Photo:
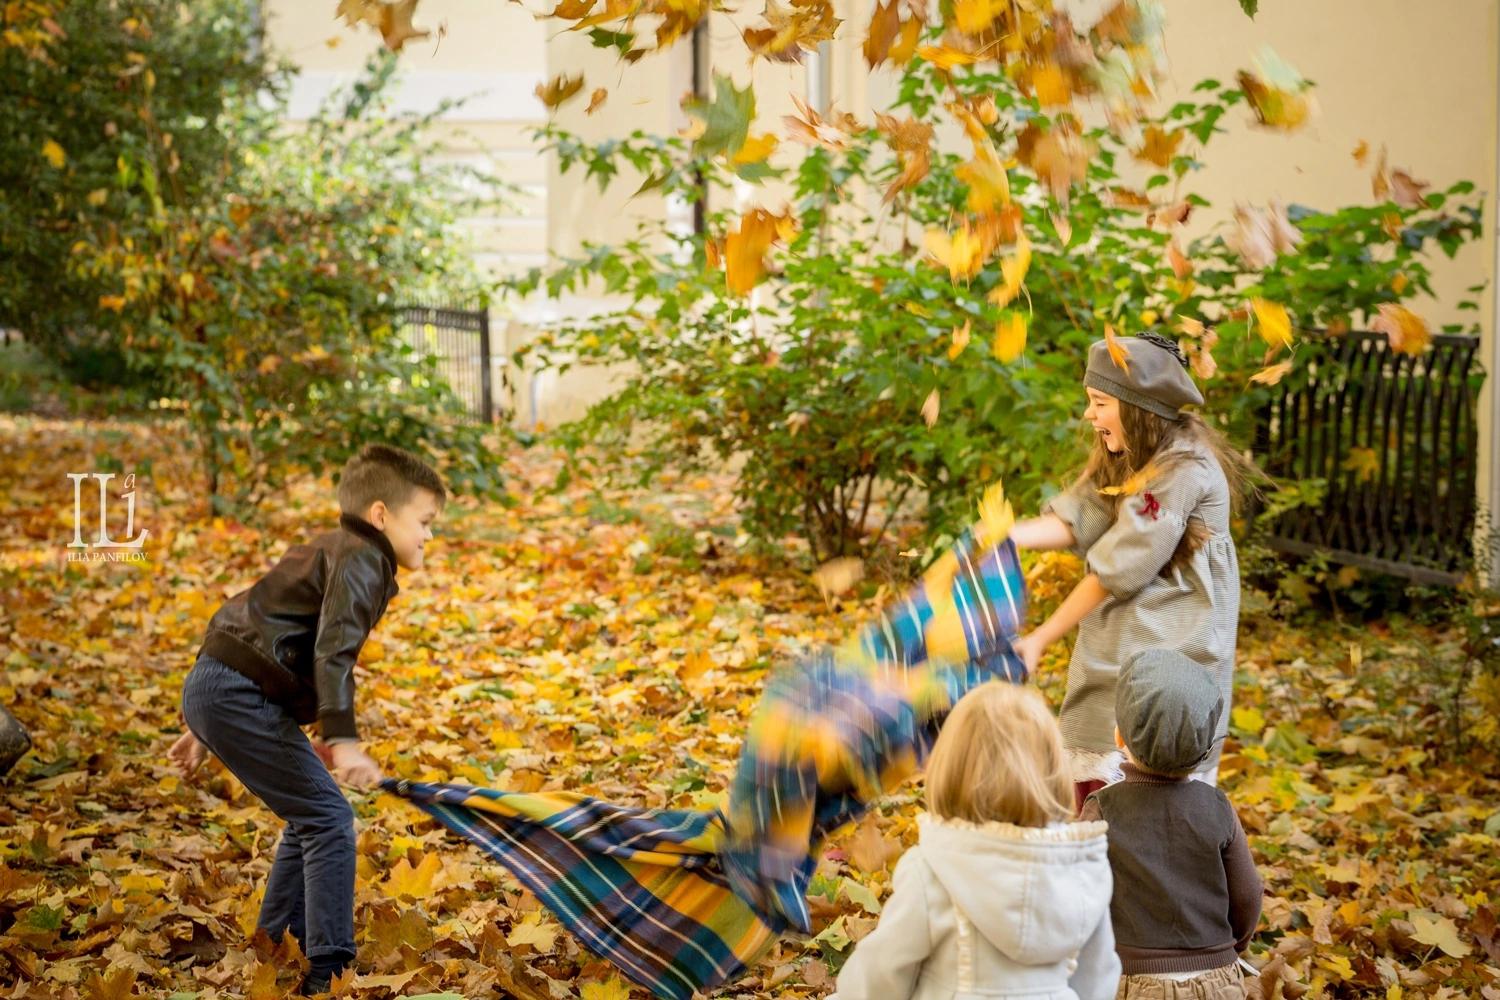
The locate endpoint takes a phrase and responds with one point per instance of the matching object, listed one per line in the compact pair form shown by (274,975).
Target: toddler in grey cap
(1187,896)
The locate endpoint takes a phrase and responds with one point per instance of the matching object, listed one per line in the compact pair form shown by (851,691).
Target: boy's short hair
(381,472)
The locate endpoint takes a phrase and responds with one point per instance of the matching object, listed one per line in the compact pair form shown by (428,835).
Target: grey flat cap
(1157,380)
(1168,709)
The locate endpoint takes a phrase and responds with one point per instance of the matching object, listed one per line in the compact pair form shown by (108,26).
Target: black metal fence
(1394,436)
(458,338)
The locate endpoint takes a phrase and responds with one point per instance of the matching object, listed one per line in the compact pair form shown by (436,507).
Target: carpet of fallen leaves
(614,644)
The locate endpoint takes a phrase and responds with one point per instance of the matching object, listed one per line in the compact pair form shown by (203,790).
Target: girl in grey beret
(1150,517)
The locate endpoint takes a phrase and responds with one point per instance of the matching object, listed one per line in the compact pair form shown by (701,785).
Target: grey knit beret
(1168,709)
(1157,379)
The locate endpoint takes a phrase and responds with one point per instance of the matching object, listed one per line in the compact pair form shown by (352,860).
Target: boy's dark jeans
(311,888)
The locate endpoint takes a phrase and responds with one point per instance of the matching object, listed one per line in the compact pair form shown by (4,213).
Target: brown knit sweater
(1187,896)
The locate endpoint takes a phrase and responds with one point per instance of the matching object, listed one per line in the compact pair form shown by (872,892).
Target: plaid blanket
(682,900)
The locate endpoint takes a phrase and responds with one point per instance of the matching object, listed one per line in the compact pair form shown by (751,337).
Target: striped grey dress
(1194,609)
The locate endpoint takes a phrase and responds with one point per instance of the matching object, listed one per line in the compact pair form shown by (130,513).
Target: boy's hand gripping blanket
(685,899)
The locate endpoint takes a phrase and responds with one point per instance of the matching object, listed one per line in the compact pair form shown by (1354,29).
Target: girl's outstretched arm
(1087,596)
(1043,533)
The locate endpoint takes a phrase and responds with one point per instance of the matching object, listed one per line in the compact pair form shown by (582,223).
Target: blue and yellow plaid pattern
(682,900)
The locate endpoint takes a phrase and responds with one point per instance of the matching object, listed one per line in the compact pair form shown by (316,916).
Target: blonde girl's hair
(1148,435)
(1000,759)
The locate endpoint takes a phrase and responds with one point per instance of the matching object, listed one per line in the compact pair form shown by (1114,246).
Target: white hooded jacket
(992,911)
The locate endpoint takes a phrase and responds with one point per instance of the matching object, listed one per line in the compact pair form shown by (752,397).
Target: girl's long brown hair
(1148,436)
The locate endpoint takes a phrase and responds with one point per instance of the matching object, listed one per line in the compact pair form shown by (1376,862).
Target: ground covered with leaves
(615,644)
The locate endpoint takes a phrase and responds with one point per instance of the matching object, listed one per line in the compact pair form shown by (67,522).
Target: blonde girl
(1003,896)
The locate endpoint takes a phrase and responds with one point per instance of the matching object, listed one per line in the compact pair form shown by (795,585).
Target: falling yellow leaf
(960,341)
(996,516)
(98,197)
(1177,260)
(1051,86)
(1273,322)
(1010,336)
(989,185)
(945,57)
(557,90)
(756,149)
(1013,268)
(962,253)
(930,408)
(54,154)
(1361,152)
(596,100)
(1407,332)
(1132,485)
(115,302)
(1119,353)
(974,16)
(1277,93)
(1272,374)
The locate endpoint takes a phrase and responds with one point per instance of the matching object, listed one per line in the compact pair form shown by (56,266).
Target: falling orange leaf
(1135,484)
(960,341)
(596,101)
(961,252)
(1407,332)
(1013,270)
(1181,266)
(1361,152)
(745,248)
(930,408)
(1159,145)
(557,90)
(1119,353)
(1050,84)
(1273,374)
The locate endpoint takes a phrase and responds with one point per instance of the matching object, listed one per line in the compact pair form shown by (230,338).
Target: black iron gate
(1394,437)
(458,338)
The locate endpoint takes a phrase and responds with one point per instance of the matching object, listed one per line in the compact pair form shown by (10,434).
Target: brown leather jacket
(298,630)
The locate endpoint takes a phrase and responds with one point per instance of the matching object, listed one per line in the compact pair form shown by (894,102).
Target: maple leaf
(416,883)
(557,90)
(912,142)
(613,988)
(791,30)
(946,57)
(812,130)
(1407,332)
(989,187)
(974,16)
(392,19)
(1059,156)
(1159,145)
(1440,932)
(1277,93)
(1050,85)
(1272,321)
(885,25)
(745,248)
(725,120)
(533,931)
(119,984)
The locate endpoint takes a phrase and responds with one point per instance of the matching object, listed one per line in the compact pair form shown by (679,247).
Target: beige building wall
(1422,81)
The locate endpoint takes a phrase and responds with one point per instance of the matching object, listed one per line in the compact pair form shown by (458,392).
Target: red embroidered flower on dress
(1150,507)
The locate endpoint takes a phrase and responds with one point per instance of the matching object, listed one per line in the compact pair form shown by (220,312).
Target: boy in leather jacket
(281,655)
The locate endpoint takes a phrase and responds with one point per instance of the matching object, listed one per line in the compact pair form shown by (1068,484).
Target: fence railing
(1394,437)
(458,338)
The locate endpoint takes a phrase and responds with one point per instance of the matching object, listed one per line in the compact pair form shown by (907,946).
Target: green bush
(184,244)
(818,386)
